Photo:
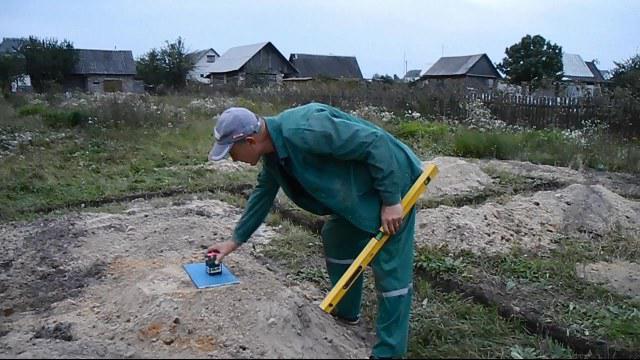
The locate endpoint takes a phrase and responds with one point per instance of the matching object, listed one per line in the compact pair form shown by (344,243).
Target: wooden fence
(622,116)
(619,110)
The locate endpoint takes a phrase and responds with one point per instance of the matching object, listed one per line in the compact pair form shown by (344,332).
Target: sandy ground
(93,284)
(621,277)
(113,284)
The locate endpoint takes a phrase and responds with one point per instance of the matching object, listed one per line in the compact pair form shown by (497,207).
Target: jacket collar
(275,131)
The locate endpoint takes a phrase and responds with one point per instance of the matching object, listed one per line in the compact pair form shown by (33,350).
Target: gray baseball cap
(235,124)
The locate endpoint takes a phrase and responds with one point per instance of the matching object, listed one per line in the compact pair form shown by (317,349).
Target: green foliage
(168,66)
(64,119)
(29,110)
(437,262)
(519,352)
(532,60)
(48,61)
(417,129)
(452,326)
(150,68)
(627,74)
(499,145)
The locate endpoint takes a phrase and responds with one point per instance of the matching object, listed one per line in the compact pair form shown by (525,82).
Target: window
(211,58)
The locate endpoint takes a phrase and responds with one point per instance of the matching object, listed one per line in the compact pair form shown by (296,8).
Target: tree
(627,74)
(176,62)
(168,66)
(532,60)
(150,69)
(387,79)
(47,61)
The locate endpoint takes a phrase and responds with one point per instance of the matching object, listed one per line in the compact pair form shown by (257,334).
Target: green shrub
(64,119)
(468,143)
(34,109)
(414,129)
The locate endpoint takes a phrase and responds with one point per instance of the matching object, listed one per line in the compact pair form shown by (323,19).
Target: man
(331,163)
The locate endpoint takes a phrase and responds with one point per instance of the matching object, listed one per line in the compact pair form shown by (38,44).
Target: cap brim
(219,151)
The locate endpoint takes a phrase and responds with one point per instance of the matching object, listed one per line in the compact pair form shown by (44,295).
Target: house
(326,66)
(577,70)
(256,64)
(471,72)
(100,71)
(11,46)
(412,75)
(580,78)
(202,61)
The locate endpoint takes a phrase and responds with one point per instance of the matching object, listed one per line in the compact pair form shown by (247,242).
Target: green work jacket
(330,162)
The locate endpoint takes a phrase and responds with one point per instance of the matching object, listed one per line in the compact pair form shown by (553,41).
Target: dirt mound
(620,277)
(456,177)
(533,222)
(627,185)
(144,304)
(225,165)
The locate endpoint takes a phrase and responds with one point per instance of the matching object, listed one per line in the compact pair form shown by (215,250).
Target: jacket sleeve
(257,208)
(328,135)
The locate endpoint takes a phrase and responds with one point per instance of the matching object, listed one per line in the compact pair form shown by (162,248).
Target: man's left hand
(391,218)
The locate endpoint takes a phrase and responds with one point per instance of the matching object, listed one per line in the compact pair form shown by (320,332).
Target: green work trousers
(393,272)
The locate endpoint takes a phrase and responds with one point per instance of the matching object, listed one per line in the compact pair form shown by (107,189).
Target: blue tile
(198,274)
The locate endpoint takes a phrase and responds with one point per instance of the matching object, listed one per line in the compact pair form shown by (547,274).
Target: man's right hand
(224,248)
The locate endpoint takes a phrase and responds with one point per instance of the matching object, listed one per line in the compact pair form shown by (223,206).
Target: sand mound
(533,222)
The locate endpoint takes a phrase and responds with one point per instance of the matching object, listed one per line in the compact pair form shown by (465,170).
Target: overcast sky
(379,33)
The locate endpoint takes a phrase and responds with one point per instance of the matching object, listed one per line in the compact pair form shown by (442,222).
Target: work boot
(347,321)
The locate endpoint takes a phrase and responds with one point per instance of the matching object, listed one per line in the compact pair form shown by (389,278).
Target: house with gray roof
(412,75)
(99,71)
(470,72)
(326,66)
(11,45)
(256,64)
(202,61)
(581,77)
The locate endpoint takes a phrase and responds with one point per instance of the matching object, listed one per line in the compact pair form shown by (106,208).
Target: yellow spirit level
(375,244)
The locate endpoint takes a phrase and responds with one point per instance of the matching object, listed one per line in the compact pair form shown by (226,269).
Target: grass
(550,284)
(128,146)
(101,161)
(450,326)
(297,251)
(601,151)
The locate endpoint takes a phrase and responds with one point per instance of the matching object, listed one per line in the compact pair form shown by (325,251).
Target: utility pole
(405,63)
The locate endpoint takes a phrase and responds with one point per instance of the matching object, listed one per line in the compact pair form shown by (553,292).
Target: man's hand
(391,218)
(224,248)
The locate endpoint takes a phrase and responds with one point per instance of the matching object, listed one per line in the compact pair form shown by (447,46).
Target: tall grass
(599,151)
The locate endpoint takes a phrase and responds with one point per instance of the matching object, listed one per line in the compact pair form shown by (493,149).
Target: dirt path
(114,286)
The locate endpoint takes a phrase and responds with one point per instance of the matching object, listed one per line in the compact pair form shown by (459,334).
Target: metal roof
(106,62)
(197,55)
(453,65)
(11,45)
(236,57)
(574,66)
(412,73)
(595,71)
(331,66)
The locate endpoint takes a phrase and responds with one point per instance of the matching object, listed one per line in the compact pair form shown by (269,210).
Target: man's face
(245,151)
